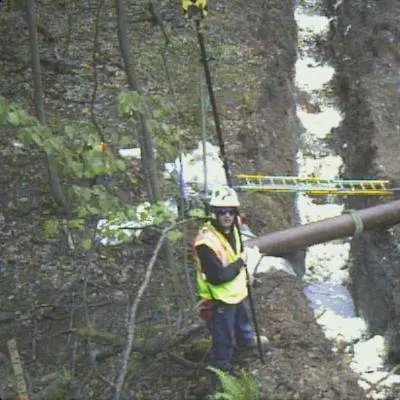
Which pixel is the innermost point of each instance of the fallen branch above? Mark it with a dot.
(373, 386)
(60, 66)
(68, 234)
(317, 317)
(183, 361)
(18, 371)
(146, 348)
(57, 381)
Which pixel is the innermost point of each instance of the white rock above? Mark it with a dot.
(319, 124)
(130, 153)
(369, 355)
(260, 264)
(192, 167)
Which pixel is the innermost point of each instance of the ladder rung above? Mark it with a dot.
(312, 185)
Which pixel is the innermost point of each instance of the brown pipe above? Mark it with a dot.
(292, 239)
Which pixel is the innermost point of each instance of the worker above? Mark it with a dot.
(222, 280)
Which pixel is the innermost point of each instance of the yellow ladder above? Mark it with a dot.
(313, 186)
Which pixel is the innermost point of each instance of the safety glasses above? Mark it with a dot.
(227, 210)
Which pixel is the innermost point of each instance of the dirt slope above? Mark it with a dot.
(299, 364)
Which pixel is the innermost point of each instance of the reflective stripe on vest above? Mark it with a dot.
(231, 292)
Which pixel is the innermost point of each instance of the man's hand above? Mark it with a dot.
(252, 257)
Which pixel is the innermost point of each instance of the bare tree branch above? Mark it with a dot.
(157, 20)
(183, 361)
(131, 321)
(374, 385)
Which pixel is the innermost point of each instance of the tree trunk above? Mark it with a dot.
(55, 184)
(145, 139)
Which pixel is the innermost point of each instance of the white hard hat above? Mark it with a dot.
(224, 197)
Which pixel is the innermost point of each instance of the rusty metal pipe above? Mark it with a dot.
(289, 240)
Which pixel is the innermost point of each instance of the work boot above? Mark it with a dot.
(253, 345)
(213, 386)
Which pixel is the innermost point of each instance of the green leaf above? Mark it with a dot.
(69, 131)
(78, 223)
(92, 210)
(51, 227)
(242, 387)
(76, 168)
(87, 243)
(126, 141)
(24, 117)
(13, 118)
(3, 110)
(120, 165)
(174, 235)
(129, 103)
(36, 138)
(197, 213)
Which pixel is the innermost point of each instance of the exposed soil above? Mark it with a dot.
(299, 363)
(367, 61)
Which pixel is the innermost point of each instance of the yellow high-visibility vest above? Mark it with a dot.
(200, 4)
(232, 292)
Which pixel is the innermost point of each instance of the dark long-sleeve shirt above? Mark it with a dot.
(212, 267)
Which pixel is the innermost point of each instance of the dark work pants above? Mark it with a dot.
(230, 325)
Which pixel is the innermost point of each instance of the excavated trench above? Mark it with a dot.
(363, 47)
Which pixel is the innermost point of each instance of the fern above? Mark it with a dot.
(243, 387)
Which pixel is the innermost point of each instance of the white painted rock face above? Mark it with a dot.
(369, 355)
(130, 153)
(310, 76)
(319, 123)
(328, 262)
(260, 264)
(269, 264)
(193, 167)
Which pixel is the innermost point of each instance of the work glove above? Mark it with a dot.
(248, 254)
